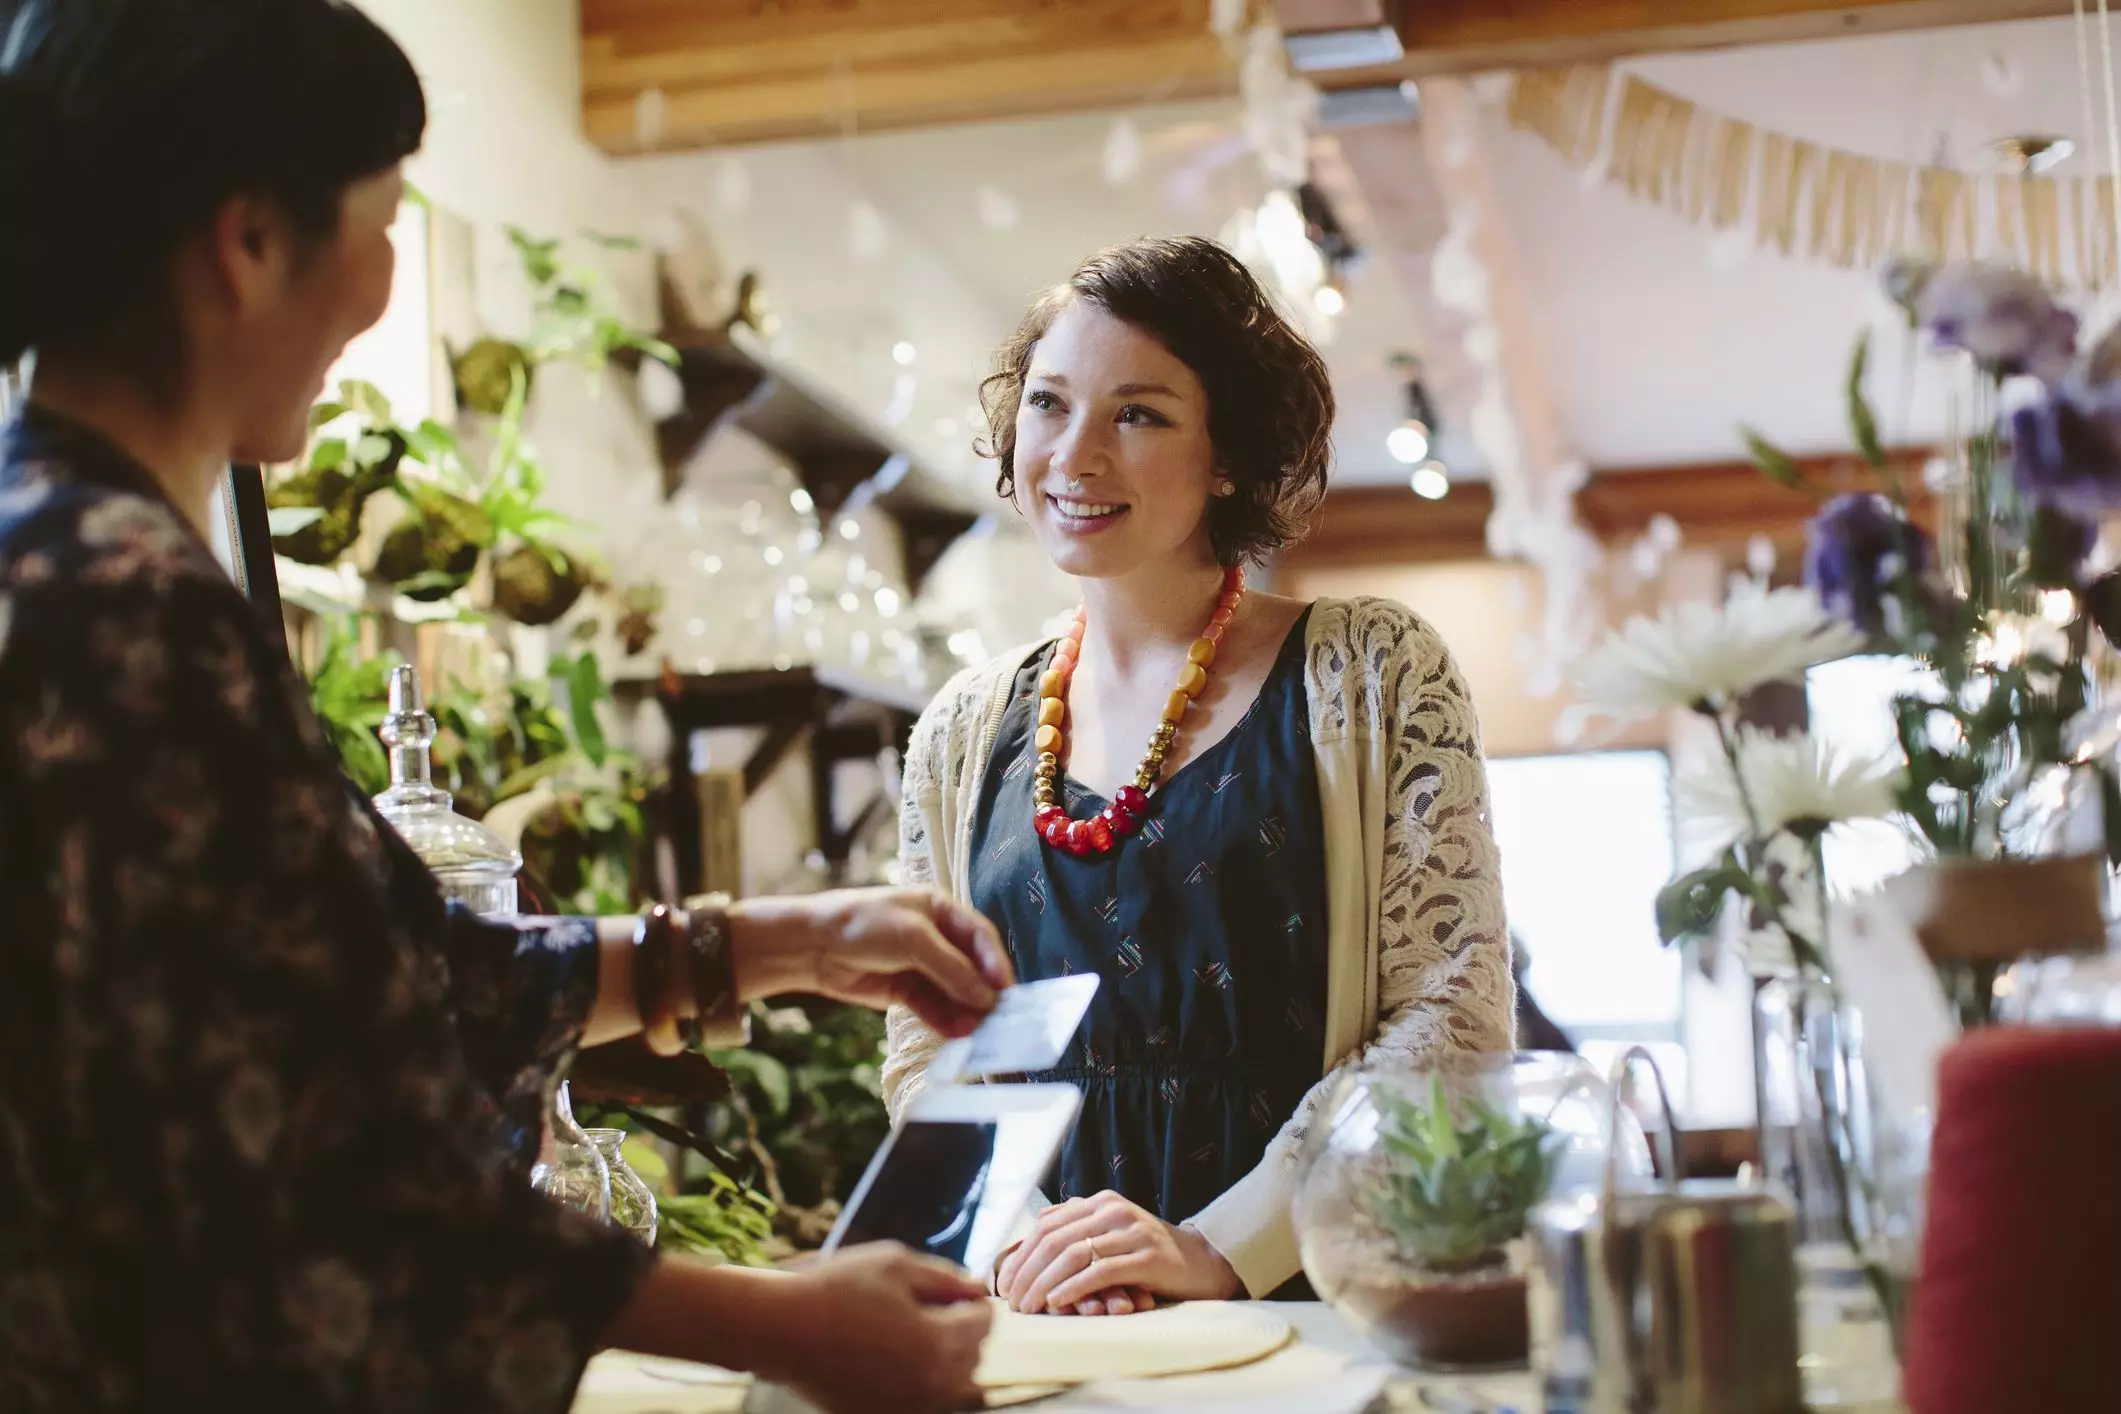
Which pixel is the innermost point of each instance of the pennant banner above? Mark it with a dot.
(1803, 199)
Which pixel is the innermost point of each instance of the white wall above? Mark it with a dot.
(504, 137)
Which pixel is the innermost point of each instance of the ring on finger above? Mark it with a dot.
(1090, 1246)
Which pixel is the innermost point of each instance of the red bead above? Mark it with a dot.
(1099, 831)
(1055, 830)
(1078, 840)
(1120, 823)
(1130, 801)
(1042, 818)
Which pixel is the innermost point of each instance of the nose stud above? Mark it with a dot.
(1075, 483)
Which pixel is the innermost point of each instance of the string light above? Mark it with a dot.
(903, 354)
(1330, 300)
(1430, 481)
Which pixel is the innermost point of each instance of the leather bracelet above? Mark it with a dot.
(719, 1019)
(654, 995)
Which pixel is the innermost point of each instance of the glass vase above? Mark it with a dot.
(632, 1200)
(1820, 1149)
(570, 1170)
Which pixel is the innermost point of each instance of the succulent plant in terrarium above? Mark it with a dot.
(1459, 1177)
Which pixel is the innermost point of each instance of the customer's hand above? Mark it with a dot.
(874, 948)
(878, 1328)
(1086, 1248)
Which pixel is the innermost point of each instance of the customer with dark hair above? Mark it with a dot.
(257, 1084)
(1299, 874)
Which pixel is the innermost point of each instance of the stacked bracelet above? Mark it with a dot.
(719, 1020)
(656, 981)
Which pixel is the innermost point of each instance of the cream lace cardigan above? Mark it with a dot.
(1419, 958)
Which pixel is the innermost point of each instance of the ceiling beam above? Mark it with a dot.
(659, 75)
(1717, 505)
(1470, 36)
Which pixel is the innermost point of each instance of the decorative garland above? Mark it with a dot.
(1806, 199)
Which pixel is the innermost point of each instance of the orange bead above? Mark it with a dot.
(1049, 739)
(1175, 709)
(1051, 712)
(1214, 634)
(1221, 617)
(1053, 684)
(1065, 653)
(1192, 679)
(1202, 652)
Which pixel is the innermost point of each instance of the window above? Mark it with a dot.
(1586, 843)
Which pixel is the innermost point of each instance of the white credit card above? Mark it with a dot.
(1028, 1030)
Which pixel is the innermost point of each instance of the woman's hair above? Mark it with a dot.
(125, 124)
(1270, 403)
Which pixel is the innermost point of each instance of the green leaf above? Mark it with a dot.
(372, 450)
(323, 414)
(1863, 426)
(418, 198)
(367, 400)
(585, 687)
(283, 521)
(1774, 463)
(770, 1075)
(328, 455)
(1688, 907)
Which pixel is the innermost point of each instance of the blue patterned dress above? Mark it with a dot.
(265, 1102)
(1209, 930)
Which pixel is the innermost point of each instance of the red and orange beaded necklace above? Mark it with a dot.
(1102, 832)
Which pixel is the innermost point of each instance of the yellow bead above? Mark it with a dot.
(1192, 679)
(1052, 712)
(1049, 739)
(1054, 683)
(1202, 652)
(1175, 709)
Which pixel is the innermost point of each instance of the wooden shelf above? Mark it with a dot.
(844, 459)
(838, 715)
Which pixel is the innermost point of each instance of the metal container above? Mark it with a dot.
(1676, 1300)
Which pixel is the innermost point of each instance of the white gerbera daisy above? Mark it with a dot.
(1694, 654)
(1797, 786)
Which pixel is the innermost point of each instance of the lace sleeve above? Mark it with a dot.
(1443, 951)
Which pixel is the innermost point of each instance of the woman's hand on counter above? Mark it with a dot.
(1086, 1250)
(874, 948)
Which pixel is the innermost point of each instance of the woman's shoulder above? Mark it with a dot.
(963, 701)
(1366, 634)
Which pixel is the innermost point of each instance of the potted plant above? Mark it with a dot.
(1411, 1207)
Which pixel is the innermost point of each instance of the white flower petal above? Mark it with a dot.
(1790, 779)
(1694, 652)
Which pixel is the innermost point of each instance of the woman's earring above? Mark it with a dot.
(1226, 488)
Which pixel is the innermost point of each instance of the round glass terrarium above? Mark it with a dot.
(1413, 1188)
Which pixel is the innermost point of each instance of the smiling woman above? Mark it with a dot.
(1298, 869)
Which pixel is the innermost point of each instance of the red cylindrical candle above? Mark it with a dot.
(2018, 1304)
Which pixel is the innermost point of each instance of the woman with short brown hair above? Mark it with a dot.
(1297, 872)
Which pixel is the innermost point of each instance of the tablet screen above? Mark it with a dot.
(930, 1188)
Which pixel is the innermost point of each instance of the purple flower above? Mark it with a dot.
(2065, 453)
(2005, 318)
(1860, 555)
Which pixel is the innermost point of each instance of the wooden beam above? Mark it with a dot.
(1469, 36)
(1717, 506)
(732, 71)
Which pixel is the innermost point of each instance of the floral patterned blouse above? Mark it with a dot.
(264, 1100)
